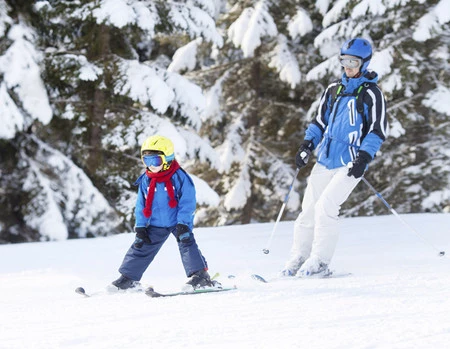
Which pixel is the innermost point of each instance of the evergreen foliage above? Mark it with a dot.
(233, 83)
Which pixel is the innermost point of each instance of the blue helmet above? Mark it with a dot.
(358, 47)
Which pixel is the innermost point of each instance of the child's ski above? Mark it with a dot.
(152, 293)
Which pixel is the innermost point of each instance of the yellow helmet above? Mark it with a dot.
(159, 144)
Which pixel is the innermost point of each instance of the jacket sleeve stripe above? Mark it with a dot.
(377, 113)
(320, 119)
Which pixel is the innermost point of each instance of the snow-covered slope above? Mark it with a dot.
(398, 295)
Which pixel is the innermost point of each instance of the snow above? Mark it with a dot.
(66, 197)
(252, 25)
(238, 194)
(212, 109)
(120, 13)
(374, 7)
(322, 6)
(21, 73)
(4, 18)
(334, 13)
(195, 21)
(11, 118)
(438, 100)
(185, 57)
(396, 296)
(382, 62)
(285, 63)
(300, 24)
(189, 100)
(231, 150)
(430, 24)
(142, 83)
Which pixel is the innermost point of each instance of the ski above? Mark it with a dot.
(330, 274)
(153, 294)
(109, 290)
(253, 276)
(81, 291)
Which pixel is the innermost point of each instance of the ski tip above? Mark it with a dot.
(259, 278)
(80, 290)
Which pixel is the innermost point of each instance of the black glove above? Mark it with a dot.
(141, 237)
(302, 156)
(183, 233)
(359, 165)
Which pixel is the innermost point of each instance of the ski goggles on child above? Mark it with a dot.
(350, 62)
(153, 160)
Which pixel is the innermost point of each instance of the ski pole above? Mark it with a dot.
(394, 212)
(266, 250)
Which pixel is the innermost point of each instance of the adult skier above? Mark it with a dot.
(348, 130)
(165, 205)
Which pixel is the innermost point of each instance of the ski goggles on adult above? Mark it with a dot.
(153, 160)
(350, 62)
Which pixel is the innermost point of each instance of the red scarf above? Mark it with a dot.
(160, 177)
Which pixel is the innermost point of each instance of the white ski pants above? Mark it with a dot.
(316, 228)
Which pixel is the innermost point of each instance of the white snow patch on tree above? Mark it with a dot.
(114, 12)
(213, 109)
(185, 57)
(87, 71)
(198, 147)
(395, 128)
(142, 83)
(21, 73)
(239, 193)
(322, 6)
(438, 100)
(66, 196)
(330, 66)
(392, 82)
(382, 61)
(205, 195)
(373, 7)
(195, 22)
(231, 150)
(188, 101)
(120, 13)
(300, 24)
(251, 26)
(11, 119)
(436, 198)
(285, 63)
(334, 13)
(132, 135)
(432, 23)
(4, 18)
(327, 41)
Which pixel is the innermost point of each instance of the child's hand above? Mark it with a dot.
(183, 233)
(141, 237)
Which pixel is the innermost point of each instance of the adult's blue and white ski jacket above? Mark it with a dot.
(342, 131)
(162, 215)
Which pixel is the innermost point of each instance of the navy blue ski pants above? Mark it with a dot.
(137, 260)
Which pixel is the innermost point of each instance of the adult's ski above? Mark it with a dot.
(329, 274)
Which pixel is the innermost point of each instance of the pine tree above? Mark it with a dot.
(234, 84)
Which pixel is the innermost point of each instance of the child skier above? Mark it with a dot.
(165, 205)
